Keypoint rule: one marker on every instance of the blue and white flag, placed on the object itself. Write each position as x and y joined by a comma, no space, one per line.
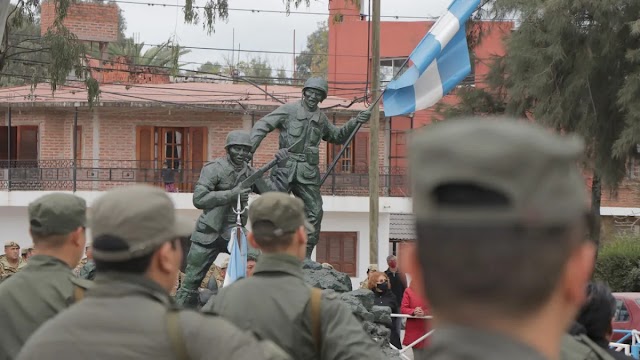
440,62
237,268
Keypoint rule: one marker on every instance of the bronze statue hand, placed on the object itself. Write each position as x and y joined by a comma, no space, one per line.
364,116
282,155
244,193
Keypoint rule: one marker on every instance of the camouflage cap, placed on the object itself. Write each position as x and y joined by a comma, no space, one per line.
10,244
57,214
141,216
284,212
534,169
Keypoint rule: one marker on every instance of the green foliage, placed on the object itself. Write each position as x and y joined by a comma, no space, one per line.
215,10
212,68
618,264
313,60
257,69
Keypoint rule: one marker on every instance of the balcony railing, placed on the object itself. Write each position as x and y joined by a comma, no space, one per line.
100,175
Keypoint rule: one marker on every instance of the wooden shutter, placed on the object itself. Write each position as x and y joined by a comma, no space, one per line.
145,153
27,143
340,250
361,153
79,146
198,156
4,142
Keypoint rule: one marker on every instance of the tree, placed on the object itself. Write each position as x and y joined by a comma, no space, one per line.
67,52
574,66
24,60
211,68
256,69
313,61
281,77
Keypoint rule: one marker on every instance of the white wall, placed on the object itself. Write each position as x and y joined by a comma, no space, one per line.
359,222
341,213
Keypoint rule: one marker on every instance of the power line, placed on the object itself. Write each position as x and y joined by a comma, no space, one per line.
267,11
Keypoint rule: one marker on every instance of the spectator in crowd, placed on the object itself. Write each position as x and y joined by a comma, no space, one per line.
11,262
27,253
595,316
379,284
502,245
169,177
397,284
251,264
415,305
128,314
365,283
47,285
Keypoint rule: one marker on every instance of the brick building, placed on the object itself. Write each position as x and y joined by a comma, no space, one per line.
57,142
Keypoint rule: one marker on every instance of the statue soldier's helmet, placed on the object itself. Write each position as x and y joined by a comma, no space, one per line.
238,137
318,84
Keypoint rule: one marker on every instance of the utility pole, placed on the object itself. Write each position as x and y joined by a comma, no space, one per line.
374,171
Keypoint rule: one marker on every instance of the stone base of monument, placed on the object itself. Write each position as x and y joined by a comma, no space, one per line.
375,319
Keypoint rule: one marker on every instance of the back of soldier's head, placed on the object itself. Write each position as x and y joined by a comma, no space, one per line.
500,206
129,224
54,217
275,219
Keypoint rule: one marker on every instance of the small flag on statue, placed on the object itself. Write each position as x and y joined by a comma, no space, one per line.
439,63
237,268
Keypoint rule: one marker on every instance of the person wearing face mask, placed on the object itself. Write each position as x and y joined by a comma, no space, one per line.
216,193
379,284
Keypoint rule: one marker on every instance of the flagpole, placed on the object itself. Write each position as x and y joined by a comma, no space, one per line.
374,129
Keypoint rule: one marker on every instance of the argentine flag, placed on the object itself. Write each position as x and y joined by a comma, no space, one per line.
237,268
440,62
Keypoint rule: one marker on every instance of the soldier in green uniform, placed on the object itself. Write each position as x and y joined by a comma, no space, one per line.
302,126
129,314
47,286
216,192
502,246
305,322
11,262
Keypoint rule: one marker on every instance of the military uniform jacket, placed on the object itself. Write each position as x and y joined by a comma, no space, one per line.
213,194
274,303
32,296
461,343
295,123
124,317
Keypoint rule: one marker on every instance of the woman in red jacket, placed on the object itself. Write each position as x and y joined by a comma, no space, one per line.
415,305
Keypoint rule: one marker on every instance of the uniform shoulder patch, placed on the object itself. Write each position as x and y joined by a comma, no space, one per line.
83,283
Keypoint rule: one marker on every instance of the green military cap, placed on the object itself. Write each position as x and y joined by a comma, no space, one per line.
57,214
141,216
284,212
11,244
534,169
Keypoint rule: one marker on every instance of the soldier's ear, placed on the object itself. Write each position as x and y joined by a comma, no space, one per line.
252,241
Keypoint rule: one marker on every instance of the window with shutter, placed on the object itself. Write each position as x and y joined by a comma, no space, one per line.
355,159
340,249
79,146
183,150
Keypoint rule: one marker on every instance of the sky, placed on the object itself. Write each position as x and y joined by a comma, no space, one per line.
253,30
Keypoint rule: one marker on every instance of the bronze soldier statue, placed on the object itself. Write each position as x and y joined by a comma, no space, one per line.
302,126
216,193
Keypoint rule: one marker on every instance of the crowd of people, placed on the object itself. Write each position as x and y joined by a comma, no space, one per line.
502,263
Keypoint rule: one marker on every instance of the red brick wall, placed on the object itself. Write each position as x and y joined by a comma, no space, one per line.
117,131
88,21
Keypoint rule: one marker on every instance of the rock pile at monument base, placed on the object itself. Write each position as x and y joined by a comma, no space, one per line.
375,319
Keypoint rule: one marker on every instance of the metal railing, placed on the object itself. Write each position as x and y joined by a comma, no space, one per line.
419,340
630,336
99,175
